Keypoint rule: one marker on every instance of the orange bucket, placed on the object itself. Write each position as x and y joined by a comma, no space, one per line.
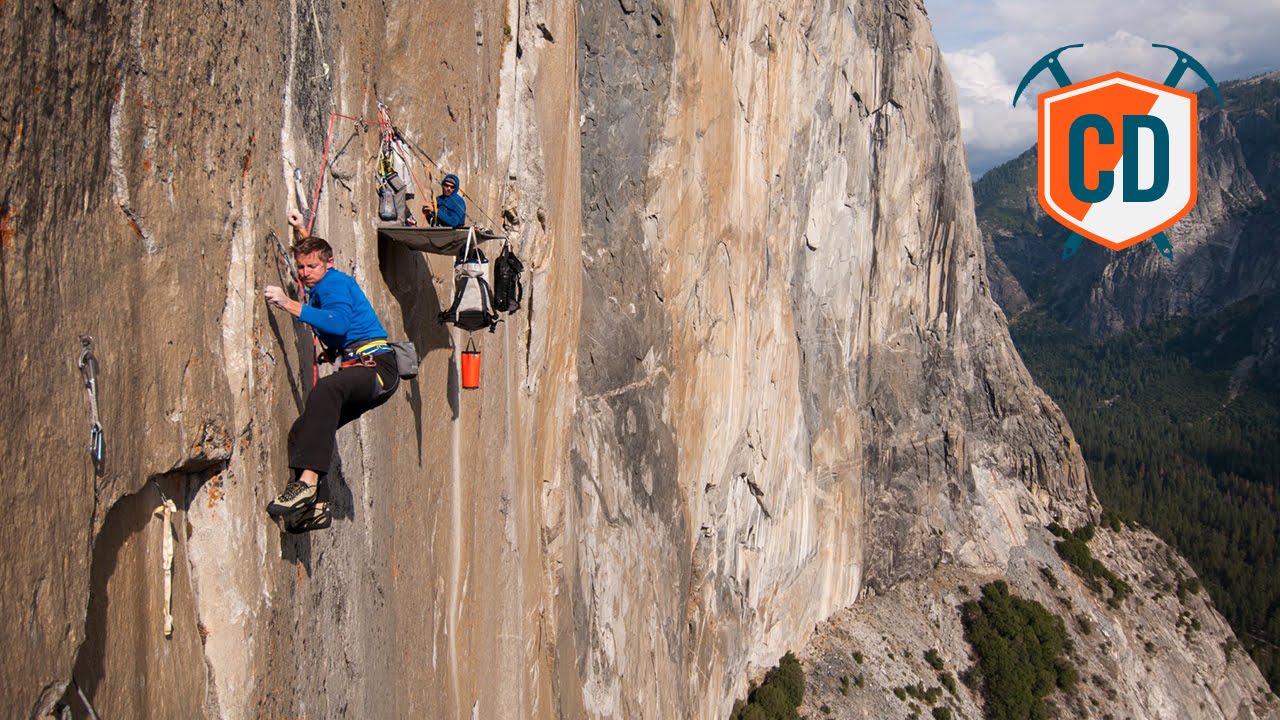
470,366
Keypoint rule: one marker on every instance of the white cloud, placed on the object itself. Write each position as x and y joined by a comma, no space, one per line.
990,44
990,122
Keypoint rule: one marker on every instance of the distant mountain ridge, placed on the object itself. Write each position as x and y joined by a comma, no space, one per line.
1166,370
1224,249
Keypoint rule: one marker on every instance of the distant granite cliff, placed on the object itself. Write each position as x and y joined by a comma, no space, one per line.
1167,369
758,374
1225,250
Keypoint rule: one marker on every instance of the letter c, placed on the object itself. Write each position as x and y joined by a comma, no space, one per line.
1075,163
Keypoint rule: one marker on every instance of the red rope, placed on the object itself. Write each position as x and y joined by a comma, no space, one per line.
315,201
388,137
324,161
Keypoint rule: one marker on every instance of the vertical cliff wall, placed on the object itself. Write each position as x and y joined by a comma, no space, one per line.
794,385
757,373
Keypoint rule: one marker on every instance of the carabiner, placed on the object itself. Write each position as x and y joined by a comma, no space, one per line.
97,446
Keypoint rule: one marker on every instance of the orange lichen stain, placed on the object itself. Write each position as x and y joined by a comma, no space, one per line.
395,571
301,574
146,165
216,493
6,227
248,156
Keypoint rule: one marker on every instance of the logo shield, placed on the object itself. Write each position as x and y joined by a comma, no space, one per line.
1117,157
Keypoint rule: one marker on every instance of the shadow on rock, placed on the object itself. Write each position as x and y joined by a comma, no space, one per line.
408,277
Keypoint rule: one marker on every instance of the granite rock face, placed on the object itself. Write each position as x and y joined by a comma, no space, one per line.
758,373
795,386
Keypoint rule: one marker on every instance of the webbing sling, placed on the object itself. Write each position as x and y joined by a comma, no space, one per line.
366,348
362,356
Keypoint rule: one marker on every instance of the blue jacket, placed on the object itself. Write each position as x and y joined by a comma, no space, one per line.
451,210
340,313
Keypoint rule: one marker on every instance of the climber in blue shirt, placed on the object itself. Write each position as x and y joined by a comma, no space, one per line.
451,209
348,328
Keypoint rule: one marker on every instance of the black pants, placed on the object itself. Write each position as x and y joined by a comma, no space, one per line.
335,401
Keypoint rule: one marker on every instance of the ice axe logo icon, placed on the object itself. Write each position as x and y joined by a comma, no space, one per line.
1117,153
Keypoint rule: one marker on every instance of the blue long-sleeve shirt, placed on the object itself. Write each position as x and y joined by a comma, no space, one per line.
340,313
451,210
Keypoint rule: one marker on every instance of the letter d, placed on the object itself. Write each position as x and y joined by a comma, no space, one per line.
1160,136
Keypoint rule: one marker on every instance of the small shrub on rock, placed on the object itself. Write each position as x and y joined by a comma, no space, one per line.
778,696
932,657
1020,648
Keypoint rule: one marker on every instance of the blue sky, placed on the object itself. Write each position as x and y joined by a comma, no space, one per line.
990,44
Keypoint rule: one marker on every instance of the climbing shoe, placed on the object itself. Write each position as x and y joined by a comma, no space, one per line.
307,519
296,495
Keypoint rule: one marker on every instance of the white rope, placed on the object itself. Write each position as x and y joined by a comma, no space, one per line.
315,17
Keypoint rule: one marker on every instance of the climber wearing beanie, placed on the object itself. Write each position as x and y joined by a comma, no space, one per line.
346,325
451,209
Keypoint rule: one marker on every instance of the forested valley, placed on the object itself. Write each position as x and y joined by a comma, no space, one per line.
1176,442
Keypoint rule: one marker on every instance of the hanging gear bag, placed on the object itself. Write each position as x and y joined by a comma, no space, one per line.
472,296
507,288
406,359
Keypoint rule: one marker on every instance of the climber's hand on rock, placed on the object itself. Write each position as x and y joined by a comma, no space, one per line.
276,296
297,222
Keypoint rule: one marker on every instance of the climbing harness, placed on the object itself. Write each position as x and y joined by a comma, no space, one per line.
89,371
362,361
363,355
366,356
166,509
